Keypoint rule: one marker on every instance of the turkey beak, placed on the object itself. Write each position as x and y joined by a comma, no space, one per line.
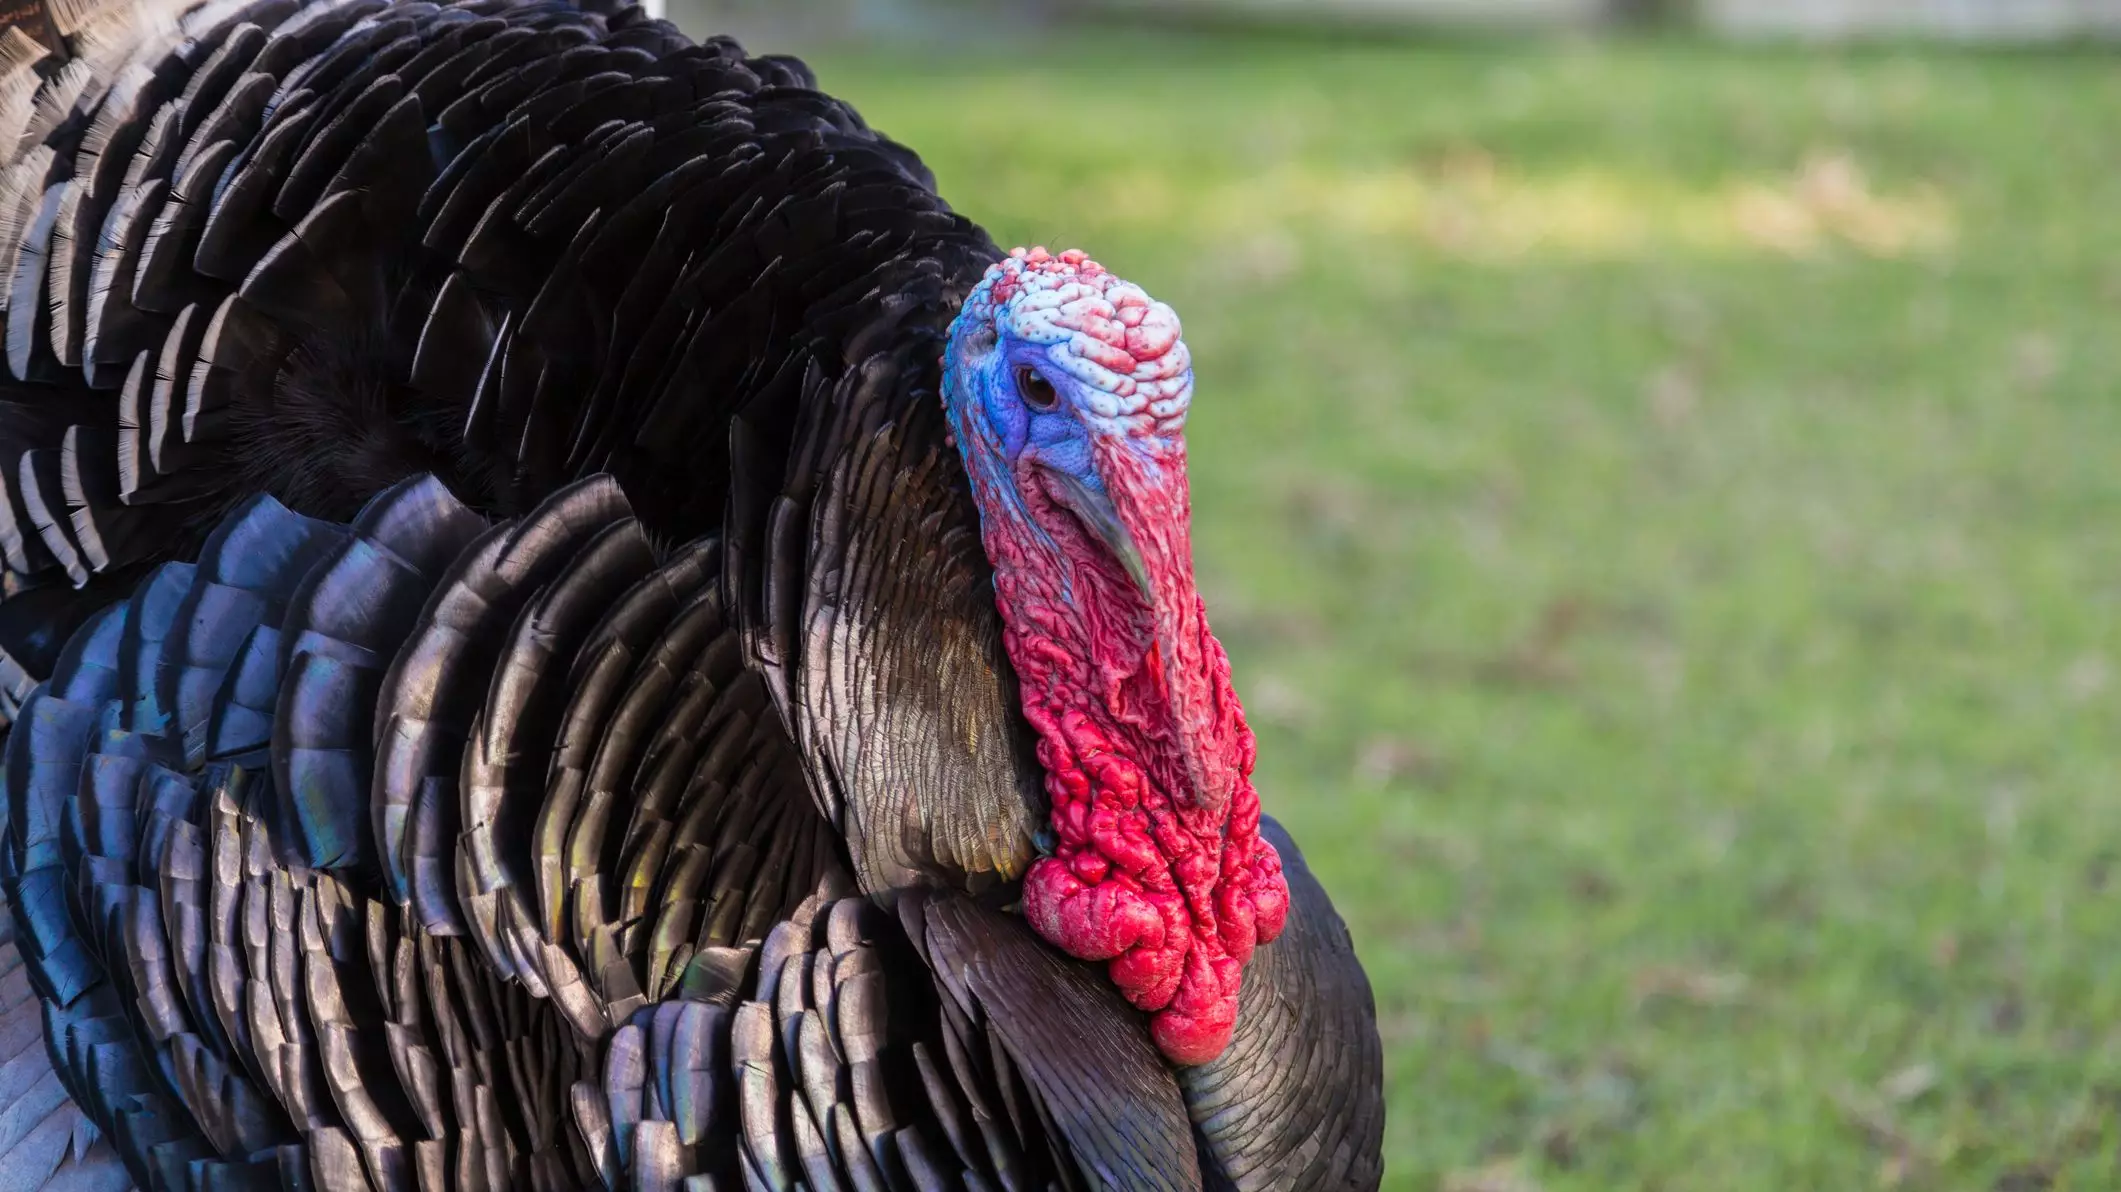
1093,507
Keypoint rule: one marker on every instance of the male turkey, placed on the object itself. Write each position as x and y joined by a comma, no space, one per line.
568,624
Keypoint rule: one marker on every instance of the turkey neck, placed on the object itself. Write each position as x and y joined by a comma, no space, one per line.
1156,861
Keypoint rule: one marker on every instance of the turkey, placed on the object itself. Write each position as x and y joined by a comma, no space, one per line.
566,623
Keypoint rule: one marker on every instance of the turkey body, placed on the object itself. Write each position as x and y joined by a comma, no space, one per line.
506,690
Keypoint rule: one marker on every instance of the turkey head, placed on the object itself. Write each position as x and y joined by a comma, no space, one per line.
1067,391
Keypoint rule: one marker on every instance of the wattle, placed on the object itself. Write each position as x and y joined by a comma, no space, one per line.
1175,898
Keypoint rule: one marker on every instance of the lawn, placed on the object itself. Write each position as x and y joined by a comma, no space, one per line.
1664,505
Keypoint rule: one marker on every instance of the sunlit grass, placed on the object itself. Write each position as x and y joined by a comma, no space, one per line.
1471,206
1662,505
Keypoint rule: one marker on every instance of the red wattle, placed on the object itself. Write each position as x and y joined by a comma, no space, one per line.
1157,868
1173,898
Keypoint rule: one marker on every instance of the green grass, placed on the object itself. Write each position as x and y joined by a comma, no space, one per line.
1664,504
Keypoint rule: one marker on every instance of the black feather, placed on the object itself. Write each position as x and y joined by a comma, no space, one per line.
1297,1100
28,313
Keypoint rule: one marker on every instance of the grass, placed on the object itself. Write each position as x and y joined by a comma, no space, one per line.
1664,505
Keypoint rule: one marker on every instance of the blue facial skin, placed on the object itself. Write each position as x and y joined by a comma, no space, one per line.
994,423
998,430
995,426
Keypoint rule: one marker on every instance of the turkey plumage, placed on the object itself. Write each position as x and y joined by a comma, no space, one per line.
568,624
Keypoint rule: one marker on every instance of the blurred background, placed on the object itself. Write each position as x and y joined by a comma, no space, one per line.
1658,474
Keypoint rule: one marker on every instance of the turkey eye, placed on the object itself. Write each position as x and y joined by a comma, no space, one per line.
1036,390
